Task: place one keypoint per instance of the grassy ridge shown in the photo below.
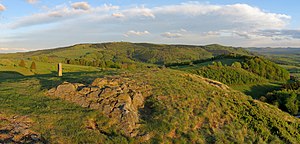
(184, 107)
(128, 52)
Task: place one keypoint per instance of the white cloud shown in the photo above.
(292, 34)
(182, 30)
(58, 14)
(118, 15)
(241, 15)
(171, 35)
(139, 12)
(136, 33)
(4, 50)
(211, 34)
(190, 23)
(32, 1)
(81, 6)
(2, 8)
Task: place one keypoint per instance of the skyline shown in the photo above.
(41, 24)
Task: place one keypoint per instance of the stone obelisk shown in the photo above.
(59, 69)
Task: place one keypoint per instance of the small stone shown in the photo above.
(64, 89)
(99, 82)
(94, 89)
(124, 98)
(34, 137)
(94, 105)
(85, 90)
(137, 100)
(94, 95)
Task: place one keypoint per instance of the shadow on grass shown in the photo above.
(48, 81)
(9, 74)
(257, 91)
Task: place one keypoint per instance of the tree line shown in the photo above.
(228, 74)
(101, 63)
(253, 64)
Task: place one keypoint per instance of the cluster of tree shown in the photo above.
(94, 63)
(101, 64)
(219, 57)
(256, 65)
(228, 74)
(286, 100)
(291, 86)
(23, 64)
(265, 68)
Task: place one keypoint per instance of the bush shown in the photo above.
(237, 65)
(286, 100)
(265, 68)
(22, 63)
(33, 66)
(228, 74)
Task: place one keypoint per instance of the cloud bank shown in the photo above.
(189, 23)
(81, 6)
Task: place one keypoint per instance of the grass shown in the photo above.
(58, 121)
(182, 108)
(7, 65)
(256, 90)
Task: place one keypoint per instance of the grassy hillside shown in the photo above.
(124, 52)
(180, 105)
(183, 108)
(228, 75)
(254, 76)
(12, 66)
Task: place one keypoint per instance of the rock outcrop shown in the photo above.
(117, 97)
(16, 129)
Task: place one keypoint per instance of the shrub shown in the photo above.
(22, 63)
(33, 65)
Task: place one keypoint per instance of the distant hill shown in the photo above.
(288, 57)
(277, 51)
(125, 52)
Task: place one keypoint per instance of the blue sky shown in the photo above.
(39, 24)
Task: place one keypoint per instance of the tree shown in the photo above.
(237, 65)
(292, 104)
(22, 63)
(33, 65)
(219, 64)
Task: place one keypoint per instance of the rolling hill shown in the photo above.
(129, 52)
(181, 108)
(146, 103)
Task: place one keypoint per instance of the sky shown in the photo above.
(27, 25)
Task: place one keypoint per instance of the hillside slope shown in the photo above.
(128, 52)
(181, 108)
